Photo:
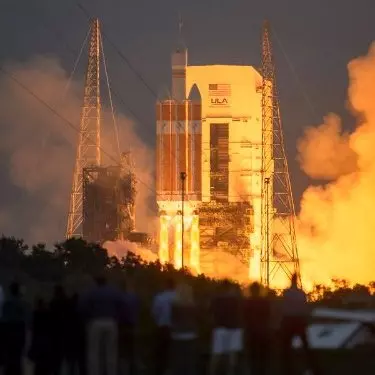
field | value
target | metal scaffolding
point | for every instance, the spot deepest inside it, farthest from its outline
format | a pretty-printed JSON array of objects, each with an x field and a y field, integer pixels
[
  {"x": 88, "y": 150},
  {"x": 226, "y": 226},
  {"x": 108, "y": 202},
  {"x": 103, "y": 197},
  {"x": 279, "y": 248}
]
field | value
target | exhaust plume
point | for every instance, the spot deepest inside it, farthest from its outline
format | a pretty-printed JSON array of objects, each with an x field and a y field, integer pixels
[
  {"x": 120, "y": 249},
  {"x": 337, "y": 221},
  {"x": 40, "y": 150},
  {"x": 324, "y": 152}
]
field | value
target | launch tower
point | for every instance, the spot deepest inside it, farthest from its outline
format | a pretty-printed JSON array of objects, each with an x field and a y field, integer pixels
[
  {"x": 103, "y": 197},
  {"x": 279, "y": 256}
]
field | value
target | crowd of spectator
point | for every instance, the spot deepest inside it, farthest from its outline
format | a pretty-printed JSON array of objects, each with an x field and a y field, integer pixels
[{"x": 95, "y": 332}]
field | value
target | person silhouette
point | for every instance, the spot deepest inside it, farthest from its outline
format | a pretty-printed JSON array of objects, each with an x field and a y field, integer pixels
[
  {"x": 15, "y": 318},
  {"x": 295, "y": 315}
]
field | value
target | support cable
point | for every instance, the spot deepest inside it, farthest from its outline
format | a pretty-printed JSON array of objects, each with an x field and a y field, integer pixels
[
  {"x": 62, "y": 40},
  {"x": 296, "y": 77},
  {"x": 67, "y": 86},
  {"x": 125, "y": 59},
  {"x": 60, "y": 37},
  {"x": 59, "y": 115},
  {"x": 121, "y": 54},
  {"x": 110, "y": 99}
]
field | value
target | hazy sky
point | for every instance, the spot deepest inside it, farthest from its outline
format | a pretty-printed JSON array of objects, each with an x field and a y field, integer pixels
[{"x": 316, "y": 41}]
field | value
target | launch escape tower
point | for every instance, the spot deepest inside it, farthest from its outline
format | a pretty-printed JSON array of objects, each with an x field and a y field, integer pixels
[
  {"x": 279, "y": 247},
  {"x": 103, "y": 197}
]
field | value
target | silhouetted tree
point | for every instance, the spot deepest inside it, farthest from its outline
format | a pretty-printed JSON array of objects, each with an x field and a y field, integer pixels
[
  {"x": 76, "y": 254},
  {"x": 12, "y": 252},
  {"x": 43, "y": 264}
]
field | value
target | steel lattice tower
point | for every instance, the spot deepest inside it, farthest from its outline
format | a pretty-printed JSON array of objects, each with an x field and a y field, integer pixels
[
  {"x": 88, "y": 151},
  {"x": 279, "y": 248}
]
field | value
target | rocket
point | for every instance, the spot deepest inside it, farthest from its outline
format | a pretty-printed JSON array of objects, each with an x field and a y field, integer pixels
[
  {"x": 194, "y": 149},
  {"x": 179, "y": 137},
  {"x": 179, "y": 151}
]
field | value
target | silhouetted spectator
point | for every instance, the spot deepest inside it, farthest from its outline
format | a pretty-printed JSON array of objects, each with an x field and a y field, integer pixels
[
  {"x": 15, "y": 318},
  {"x": 227, "y": 332},
  {"x": 2, "y": 343},
  {"x": 76, "y": 340},
  {"x": 2, "y": 300},
  {"x": 184, "y": 332},
  {"x": 257, "y": 326},
  {"x": 59, "y": 328},
  {"x": 128, "y": 321},
  {"x": 41, "y": 350},
  {"x": 161, "y": 312},
  {"x": 295, "y": 314},
  {"x": 102, "y": 307}
]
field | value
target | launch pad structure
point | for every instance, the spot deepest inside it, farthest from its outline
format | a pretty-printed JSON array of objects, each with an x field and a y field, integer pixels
[
  {"x": 221, "y": 126},
  {"x": 108, "y": 201},
  {"x": 279, "y": 254},
  {"x": 222, "y": 179},
  {"x": 102, "y": 203}
]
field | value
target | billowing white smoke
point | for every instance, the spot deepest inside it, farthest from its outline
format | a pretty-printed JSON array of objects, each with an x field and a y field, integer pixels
[
  {"x": 38, "y": 150},
  {"x": 220, "y": 264},
  {"x": 216, "y": 264},
  {"x": 324, "y": 152},
  {"x": 120, "y": 249},
  {"x": 337, "y": 220}
]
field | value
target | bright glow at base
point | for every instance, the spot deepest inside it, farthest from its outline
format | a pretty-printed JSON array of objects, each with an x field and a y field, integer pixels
[
  {"x": 255, "y": 266},
  {"x": 194, "y": 246},
  {"x": 170, "y": 241},
  {"x": 178, "y": 242},
  {"x": 163, "y": 240}
]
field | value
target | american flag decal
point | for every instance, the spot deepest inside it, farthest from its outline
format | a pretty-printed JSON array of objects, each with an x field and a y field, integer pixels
[{"x": 219, "y": 89}]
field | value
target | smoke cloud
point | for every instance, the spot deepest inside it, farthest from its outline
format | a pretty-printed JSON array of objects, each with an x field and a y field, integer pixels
[
  {"x": 40, "y": 149},
  {"x": 220, "y": 264},
  {"x": 337, "y": 221},
  {"x": 324, "y": 152},
  {"x": 120, "y": 249}
]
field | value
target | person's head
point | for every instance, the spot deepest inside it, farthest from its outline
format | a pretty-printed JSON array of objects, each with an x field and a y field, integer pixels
[
  {"x": 294, "y": 280},
  {"x": 255, "y": 289},
  {"x": 184, "y": 294},
  {"x": 227, "y": 286},
  {"x": 15, "y": 289}
]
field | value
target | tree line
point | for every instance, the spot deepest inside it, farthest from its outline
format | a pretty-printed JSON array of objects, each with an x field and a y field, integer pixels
[{"x": 74, "y": 262}]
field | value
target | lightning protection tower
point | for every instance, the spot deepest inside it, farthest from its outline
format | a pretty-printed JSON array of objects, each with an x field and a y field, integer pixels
[
  {"x": 279, "y": 248},
  {"x": 88, "y": 151}
]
